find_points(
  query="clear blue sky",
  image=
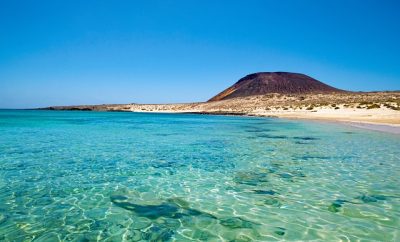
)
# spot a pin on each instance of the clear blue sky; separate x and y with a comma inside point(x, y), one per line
point(92, 52)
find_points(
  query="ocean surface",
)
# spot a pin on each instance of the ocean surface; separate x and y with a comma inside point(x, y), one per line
point(87, 176)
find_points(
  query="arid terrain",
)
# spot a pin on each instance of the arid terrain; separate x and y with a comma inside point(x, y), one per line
point(371, 107)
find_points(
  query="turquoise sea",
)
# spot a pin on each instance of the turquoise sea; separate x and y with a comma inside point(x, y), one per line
point(98, 176)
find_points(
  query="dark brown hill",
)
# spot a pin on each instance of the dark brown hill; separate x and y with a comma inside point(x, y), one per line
point(274, 82)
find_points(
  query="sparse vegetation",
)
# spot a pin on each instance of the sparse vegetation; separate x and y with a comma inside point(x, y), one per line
point(392, 106)
point(372, 106)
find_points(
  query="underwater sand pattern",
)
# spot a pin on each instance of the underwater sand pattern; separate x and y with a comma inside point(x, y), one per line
point(84, 176)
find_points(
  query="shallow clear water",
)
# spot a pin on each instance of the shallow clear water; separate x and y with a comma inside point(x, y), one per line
point(87, 176)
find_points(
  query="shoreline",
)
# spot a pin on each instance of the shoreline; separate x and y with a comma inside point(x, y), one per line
point(362, 124)
point(368, 125)
point(373, 126)
point(356, 123)
point(378, 111)
point(380, 127)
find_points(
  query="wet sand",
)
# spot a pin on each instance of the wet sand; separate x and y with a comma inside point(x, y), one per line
point(376, 127)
